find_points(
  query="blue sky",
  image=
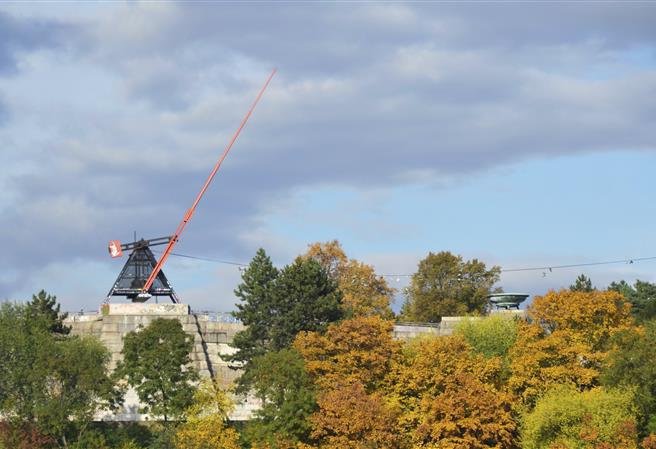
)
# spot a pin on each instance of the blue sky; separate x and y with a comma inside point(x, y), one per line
point(518, 134)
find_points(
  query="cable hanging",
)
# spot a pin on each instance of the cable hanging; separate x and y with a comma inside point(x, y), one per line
point(544, 268)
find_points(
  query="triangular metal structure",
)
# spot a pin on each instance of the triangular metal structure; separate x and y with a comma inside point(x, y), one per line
point(134, 274)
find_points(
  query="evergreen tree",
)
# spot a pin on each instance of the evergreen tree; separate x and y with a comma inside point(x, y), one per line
point(642, 296)
point(275, 306)
point(46, 306)
point(582, 284)
point(256, 295)
point(156, 363)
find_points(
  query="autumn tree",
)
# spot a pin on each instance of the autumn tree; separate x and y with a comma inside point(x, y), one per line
point(467, 414)
point(206, 425)
point(447, 285)
point(350, 418)
point(277, 305)
point(364, 293)
point(568, 418)
point(157, 365)
point(566, 341)
point(426, 367)
point(357, 350)
point(641, 295)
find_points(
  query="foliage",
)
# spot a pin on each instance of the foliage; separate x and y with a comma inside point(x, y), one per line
point(492, 336)
point(568, 418)
point(206, 425)
point(426, 367)
point(632, 363)
point(349, 418)
point(642, 296)
point(257, 300)
point(468, 414)
point(567, 341)
point(358, 350)
point(46, 306)
point(277, 306)
point(593, 316)
point(50, 383)
point(446, 285)
point(156, 363)
point(288, 399)
point(582, 284)
point(23, 436)
point(364, 293)
point(540, 360)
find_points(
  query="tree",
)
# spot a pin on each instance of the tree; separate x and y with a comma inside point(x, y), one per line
point(642, 296)
point(593, 316)
point(206, 425)
point(280, 381)
point(446, 285)
point(277, 306)
point(257, 302)
point(358, 350)
point(492, 336)
point(46, 305)
point(632, 364)
point(51, 385)
point(566, 342)
point(349, 418)
point(156, 364)
point(582, 284)
point(426, 367)
point(364, 293)
point(468, 414)
point(568, 418)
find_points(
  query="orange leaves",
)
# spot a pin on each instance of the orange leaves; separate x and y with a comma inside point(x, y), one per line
point(469, 414)
point(364, 293)
point(349, 418)
point(358, 350)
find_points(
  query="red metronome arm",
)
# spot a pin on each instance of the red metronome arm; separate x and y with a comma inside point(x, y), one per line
point(190, 212)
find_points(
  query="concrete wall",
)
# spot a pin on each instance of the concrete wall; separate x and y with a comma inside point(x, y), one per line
point(211, 341)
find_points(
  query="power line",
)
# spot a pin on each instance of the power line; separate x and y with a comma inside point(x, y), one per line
point(544, 268)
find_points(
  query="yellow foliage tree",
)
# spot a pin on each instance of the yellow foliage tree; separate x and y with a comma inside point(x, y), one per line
point(357, 350)
point(349, 418)
point(566, 342)
point(468, 414)
point(364, 293)
point(429, 366)
point(594, 316)
point(206, 426)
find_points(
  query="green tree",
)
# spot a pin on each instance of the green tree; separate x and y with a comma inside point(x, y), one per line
point(632, 364)
point(157, 364)
point(46, 306)
point(445, 285)
point(582, 284)
point(491, 336)
point(288, 399)
point(571, 419)
point(642, 296)
point(277, 306)
point(50, 383)
point(256, 294)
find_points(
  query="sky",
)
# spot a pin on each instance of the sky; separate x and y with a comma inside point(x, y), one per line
point(521, 134)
